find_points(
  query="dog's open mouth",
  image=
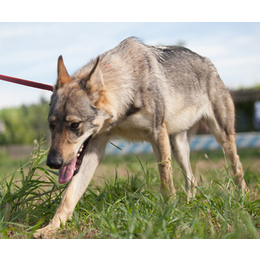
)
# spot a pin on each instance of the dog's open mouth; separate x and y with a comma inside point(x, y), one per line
point(68, 171)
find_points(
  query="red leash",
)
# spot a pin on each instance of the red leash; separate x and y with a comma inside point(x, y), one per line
point(27, 83)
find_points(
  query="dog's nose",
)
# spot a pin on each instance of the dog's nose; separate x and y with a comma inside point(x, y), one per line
point(54, 160)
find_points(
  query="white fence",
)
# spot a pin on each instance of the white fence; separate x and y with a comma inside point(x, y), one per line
point(197, 143)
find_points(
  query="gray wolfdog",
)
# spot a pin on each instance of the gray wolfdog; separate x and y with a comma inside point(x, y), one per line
point(141, 93)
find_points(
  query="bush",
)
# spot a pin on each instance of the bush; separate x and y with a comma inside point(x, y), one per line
point(24, 124)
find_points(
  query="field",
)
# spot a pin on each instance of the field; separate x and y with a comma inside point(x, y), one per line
point(123, 200)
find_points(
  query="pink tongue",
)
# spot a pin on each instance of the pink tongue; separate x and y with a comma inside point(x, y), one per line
point(66, 172)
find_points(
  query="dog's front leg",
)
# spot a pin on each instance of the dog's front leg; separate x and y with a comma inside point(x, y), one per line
point(162, 150)
point(77, 186)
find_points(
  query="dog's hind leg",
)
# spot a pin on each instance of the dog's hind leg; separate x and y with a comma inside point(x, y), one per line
point(226, 138)
point(181, 152)
point(77, 186)
point(162, 150)
point(220, 118)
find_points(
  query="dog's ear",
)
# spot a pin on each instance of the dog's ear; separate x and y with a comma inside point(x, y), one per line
point(63, 75)
point(94, 84)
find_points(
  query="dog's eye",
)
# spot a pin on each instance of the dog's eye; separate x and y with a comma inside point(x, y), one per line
point(74, 126)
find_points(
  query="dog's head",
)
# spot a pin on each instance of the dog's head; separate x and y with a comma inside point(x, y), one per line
point(77, 113)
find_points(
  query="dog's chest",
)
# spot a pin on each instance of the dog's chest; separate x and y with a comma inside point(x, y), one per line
point(137, 126)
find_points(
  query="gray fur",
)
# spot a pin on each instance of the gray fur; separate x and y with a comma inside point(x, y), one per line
point(139, 92)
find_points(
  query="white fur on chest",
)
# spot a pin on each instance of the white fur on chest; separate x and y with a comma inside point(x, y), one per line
point(136, 127)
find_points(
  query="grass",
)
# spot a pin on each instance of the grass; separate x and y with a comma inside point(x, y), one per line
point(128, 204)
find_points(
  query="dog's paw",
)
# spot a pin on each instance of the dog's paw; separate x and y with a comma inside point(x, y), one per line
point(47, 233)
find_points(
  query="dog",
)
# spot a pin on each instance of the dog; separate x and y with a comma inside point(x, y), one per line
point(141, 93)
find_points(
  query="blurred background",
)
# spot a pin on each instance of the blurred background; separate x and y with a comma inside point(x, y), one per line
point(30, 51)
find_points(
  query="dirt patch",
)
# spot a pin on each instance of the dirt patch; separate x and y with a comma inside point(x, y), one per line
point(17, 151)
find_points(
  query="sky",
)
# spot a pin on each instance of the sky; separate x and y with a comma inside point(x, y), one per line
point(29, 50)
